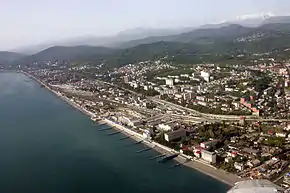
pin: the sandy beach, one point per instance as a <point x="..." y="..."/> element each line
<point x="200" y="166"/>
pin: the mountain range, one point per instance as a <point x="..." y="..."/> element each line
<point x="187" y="45"/>
<point x="120" y="40"/>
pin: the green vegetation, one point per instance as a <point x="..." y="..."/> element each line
<point x="275" y="142"/>
<point x="262" y="83"/>
<point x="229" y="167"/>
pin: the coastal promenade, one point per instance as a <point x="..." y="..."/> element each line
<point x="198" y="165"/>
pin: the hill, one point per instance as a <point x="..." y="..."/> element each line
<point x="65" y="53"/>
<point x="8" y="57"/>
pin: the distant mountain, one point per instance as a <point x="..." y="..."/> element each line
<point x="198" y="36"/>
<point x="250" y="21"/>
<point x="8" y="57"/>
<point x="105" y="41"/>
<point x="137" y="36"/>
<point x="277" y="19"/>
<point x="211" y="45"/>
<point x="197" y="46"/>
<point x="64" y="53"/>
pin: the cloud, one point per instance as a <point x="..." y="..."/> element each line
<point x="262" y="15"/>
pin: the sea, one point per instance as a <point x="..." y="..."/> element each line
<point x="47" y="146"/>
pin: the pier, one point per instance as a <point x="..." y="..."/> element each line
<point x="157" y="156"/>
<point x="167" y="158"/>
<point x="108" y="128"/>
<point x="142" y="150"/>
<point x="114" y="133"/>
<point x="138" y="142"/>
<point x="176" y="165"/>
<point x="127" y="137"/>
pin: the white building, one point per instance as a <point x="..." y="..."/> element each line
<point x="208" y="156"/>
<point x="239" y="166"/>
<point x="282" y="134"/>
<point x="147" y="134"/>
<point x="200" y="98"/>
<point x="205" y="75"/>
<point x="169" y="82"/>
<point x="164" y="127"/>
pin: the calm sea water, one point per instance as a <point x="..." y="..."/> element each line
<point x="47" y="146"/>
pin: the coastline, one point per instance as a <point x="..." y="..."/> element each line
<point x="222" y="176"/>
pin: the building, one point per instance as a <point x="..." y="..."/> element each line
<point x="173" y="135"/>
<point x="208" y="144"/>
<point x="147" y="134"/>
<point x="188" y="96"/>
<point x="200" y="98"/>
<point x="126" y="79"/>
<point x="239" y="166"/>
<point x="208" y="156"/>
<point x="205" y="75"/>
<point x="133" y="122"/>
<point x="281" y="134"/>
<point x="169" y="82"/>
<point x="255" y="186"/>
<point x="254" y="163"/>
<point x="164" y="127"/>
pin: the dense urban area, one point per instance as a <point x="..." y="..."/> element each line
<point x="218" y="114"/>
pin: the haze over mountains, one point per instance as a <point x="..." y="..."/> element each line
<point x="121" y="39"/>
<point x="186" y="44"/>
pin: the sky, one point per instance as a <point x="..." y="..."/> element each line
<point x="29" y="22"/>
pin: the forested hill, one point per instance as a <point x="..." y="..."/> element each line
<point x="8" y="57"/>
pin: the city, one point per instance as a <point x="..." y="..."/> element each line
<point x="166" y="96"/>
<point x="214" y="115"/>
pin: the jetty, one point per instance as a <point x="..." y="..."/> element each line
<point x="127" y="137"/>
<point x="167" y="158"/>
<point x="108" y="128"/>
<point x="114" y="133"/>
<point x="157" y="156"/>
<point x="142" y="150"/>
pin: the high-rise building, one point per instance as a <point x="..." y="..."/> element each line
<point x="208" y="156"/>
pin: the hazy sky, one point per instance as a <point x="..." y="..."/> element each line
<point x="33" y="21"/>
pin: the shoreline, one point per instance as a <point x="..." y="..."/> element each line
<point x="202" y="167"/>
